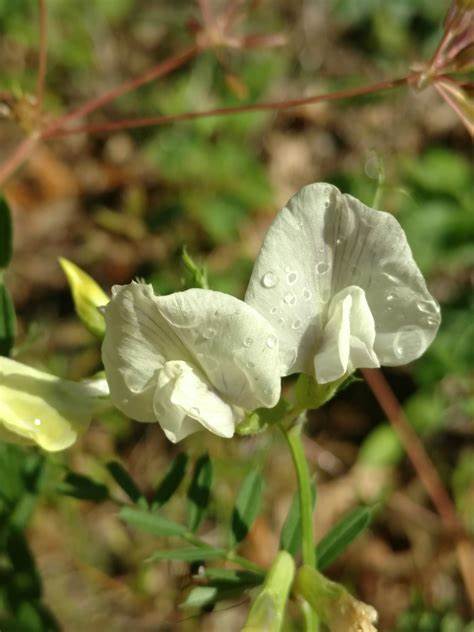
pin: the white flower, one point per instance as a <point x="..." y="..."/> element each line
<point x="338" y="282"/>
<point x="36" y="407"/>
<point x="189" y="360"/>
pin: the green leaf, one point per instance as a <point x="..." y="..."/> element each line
<point x="191" y="554"/>
<point x="125" y="482"/>
<point x="7" y="321"/>
<point x="230" y="577"/>
<point x="83" y="487"/>
<point x="171" y="481"/>
<point x="151" y="522"/>
<point x="247" y="506"/>
<point x="6" y="233"/>
<point x="290" y="537"/>
<point x="26" y="581"/>
<point x="88" y="296"/>
<point x="342" y="534"/>
<point x="197" y="273"/>
<point x="199" y="492"/>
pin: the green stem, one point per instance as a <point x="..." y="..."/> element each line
<point x="293" y="438"/>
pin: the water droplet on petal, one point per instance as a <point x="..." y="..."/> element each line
<point x="250" y="365"/>
<point x="209" y="333"/>
<point x="322" y="267"/>
<point x="296" y="324"/>
<point x="290" y="299"/>
<point x="195" y="411"/>
<point x="37" y="422"/>
<point x="408" y="341"/>
<point x="390" y="297"/>
<point x="292" y="278"/>
<point x="306" y="294"/>
<point x="431" y="321"/>
<point x="268" y="280"/>
<point x="271" y="342"/>
<point x="426" y="307"/>
<point x="338" y="241"/>
<point x="273" y="310"/>
<point x="248" y="341"/>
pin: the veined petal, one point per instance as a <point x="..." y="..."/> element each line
<point x="323" y="242"/>
<point x="231" y="343"/>
<point x="41" y="408"/>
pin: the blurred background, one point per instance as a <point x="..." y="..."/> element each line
<point x="122" y="205"/>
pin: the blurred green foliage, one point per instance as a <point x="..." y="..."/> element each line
<point x="210" y="180"/>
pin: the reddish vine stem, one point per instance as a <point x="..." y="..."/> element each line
<point x="18" y="157"/>
<point x="157" y="71"/>
<point x="427" y="473"/>
<point x="252" y="107"/>
<point x="43" y="51"/>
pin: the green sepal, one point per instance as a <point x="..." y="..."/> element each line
<point x="310" y="395"/>
<point x="260" y="419"/>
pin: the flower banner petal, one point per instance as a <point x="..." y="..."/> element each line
<point x="319" y="244"/>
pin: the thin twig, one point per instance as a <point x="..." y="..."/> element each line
<point x="159" y="70"/>
<point x="18" y="157"/>
<point x="427" y="473"/>
<point x="238" y="109"/>
<point x="43" y="51"/>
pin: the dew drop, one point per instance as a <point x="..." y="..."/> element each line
<point x="194" y="411"/>
<point x="306" y="294"/>
<point x="37" y="422"/>
<point x="390" y="297"/>
<point x="426" y="307"/>
<point x="338" y="241"/>
<point x="431" y="321"/>
<point x="290" y="299"/>
<point x="296" y="324"/>
<point x="281" y="321"/>
<point x="209" y="333"/>
<point x="271" y="342"/>
<point x="292" y="278"/>
<point x="273" y="310"/>
<point x="322" y="267"/>
<point x="408" y="341"/>
<point x="248" y="341"/>
<point x="268" y="280"/>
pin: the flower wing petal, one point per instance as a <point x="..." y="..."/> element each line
<point x="231" y="343"/>
<point x="172" y="418"/>
<point x="332" y="358"/>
